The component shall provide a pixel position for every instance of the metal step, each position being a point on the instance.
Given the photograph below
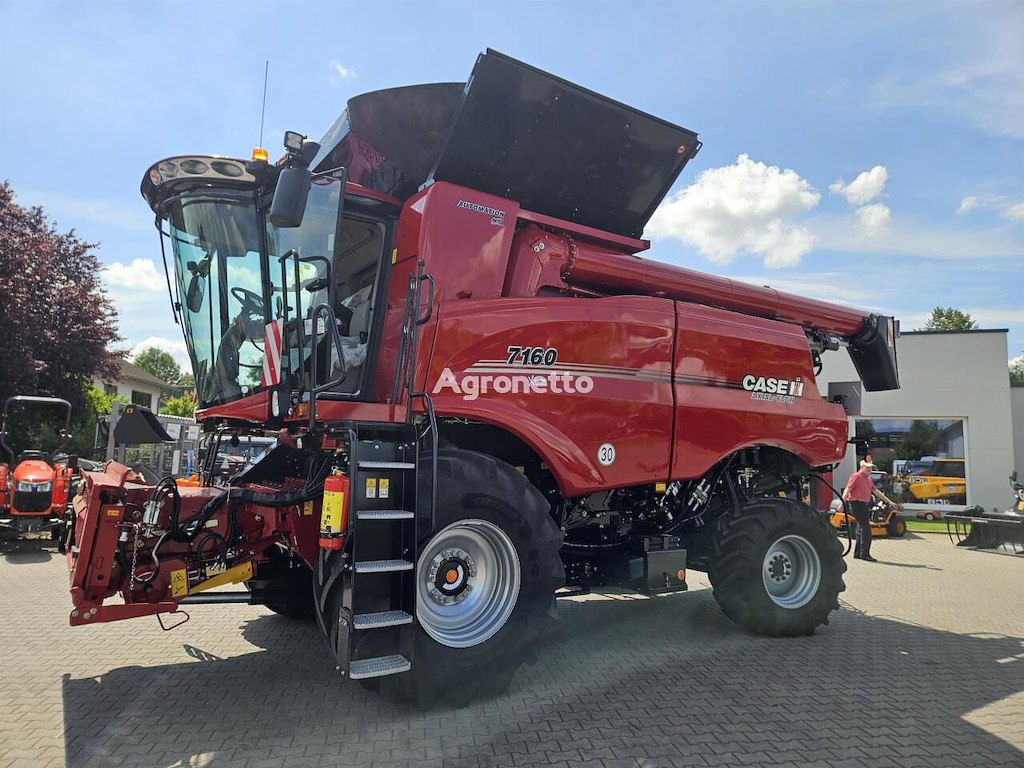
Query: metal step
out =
(386, 465)
(378, 666)
(384, 514)
(383, 566)
(381, 619)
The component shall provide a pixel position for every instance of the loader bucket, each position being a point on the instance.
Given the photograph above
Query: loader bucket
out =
(987, 531)
(138, 426)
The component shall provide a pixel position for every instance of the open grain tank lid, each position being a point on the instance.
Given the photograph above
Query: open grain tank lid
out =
(517, 132)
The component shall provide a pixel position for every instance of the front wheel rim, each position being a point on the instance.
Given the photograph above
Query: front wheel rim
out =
(467, 583)
(791, 572)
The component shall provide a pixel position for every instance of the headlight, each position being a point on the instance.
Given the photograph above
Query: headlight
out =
(35, 487)
(1020, 494)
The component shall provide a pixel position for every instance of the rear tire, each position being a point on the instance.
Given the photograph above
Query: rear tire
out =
(897, 527)
(490, 512)
(776, 568)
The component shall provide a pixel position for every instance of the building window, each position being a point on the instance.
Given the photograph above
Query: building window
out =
(142, 398)
(921, 462)
(110, 389)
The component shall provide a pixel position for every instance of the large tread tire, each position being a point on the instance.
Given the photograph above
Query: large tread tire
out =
(473, 486)
(741, 542)
(292, 596)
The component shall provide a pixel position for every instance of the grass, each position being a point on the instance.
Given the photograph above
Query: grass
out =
(926, 526)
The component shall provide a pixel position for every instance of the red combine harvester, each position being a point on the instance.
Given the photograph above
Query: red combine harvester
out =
(484, 395)
(33, 487)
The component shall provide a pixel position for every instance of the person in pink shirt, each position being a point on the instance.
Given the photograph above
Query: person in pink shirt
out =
(857, 494)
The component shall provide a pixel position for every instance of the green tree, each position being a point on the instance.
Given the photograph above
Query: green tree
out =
(949, 319)
(1017, 370)
(56, 324)
(184, 405)
(160, 364)
(922, 439)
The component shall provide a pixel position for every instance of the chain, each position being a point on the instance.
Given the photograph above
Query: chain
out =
(137, 544)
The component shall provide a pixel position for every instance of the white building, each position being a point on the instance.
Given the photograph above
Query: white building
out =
(135, 385)
(956, 386)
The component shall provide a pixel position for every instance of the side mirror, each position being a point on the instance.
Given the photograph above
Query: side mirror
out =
(289, 202)
(1013, 476)
(195, 293)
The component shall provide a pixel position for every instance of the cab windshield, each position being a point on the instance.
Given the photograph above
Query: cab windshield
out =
(227, 275)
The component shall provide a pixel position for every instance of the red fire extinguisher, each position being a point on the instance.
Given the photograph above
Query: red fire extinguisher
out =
(334, 513)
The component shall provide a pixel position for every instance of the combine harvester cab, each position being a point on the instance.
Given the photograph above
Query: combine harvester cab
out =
(483, 393)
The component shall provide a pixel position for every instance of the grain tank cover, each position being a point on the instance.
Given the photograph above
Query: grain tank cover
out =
(516, 132)
(389, 140)
(561, 150)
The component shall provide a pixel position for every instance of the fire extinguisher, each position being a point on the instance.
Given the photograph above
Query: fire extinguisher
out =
(334, 513)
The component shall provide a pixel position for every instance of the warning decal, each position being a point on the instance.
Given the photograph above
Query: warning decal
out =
(179, 583)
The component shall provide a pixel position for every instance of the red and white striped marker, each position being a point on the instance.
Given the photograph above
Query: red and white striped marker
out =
(272, 353)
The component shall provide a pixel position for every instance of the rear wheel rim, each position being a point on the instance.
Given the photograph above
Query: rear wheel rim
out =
(791, 572)
(467, 583)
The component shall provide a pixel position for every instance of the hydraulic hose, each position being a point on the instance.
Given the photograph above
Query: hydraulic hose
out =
(846, 511)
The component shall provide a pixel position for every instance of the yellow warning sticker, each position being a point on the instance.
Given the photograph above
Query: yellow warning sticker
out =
(384, 488)
(371, 487)
(179, 583)
(307, 508)
(113, 511)
(394, 255)
(331, 514)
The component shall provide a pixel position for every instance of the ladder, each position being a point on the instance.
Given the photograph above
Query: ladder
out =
(377, 621)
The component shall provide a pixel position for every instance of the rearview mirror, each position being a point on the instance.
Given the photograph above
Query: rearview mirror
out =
(195, 293)
(1013, 476)
(289, 203)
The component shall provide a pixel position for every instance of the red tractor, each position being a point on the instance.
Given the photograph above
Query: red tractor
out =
(484, 395)
(33, 486)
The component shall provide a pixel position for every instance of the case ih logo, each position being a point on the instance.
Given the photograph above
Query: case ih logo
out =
(497, 217)
(772, 389)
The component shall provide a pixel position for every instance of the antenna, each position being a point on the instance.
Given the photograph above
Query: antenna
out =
(263, 112)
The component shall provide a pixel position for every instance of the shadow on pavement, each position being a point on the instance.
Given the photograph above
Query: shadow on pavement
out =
(621, 681)
(27, 550)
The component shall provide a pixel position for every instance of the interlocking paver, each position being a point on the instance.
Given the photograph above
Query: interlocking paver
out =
(923, 666)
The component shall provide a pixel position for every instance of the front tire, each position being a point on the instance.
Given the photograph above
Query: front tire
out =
(485, 579)
(776, 568)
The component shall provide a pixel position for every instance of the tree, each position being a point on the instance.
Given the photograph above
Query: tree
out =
(949, 319)
(185, 405)
(160, 364)
(56, 324)
(1017, 370)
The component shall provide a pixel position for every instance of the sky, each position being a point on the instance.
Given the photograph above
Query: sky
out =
(867, 153)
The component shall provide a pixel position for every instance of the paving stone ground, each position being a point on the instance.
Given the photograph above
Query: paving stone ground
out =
(923, 666)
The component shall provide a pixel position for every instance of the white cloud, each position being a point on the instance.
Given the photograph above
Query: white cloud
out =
(865, 188)
(175, 348)
(968, 203)
(1014, 212)
(874, 218)
(340, 73)
(747, 207)
(141, 275)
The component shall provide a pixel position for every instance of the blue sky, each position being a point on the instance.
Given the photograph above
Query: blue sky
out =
(866, 153)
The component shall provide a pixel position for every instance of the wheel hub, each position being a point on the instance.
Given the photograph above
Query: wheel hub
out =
(467, 583)
(451, 576)
(792, 572)
(780, 567)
